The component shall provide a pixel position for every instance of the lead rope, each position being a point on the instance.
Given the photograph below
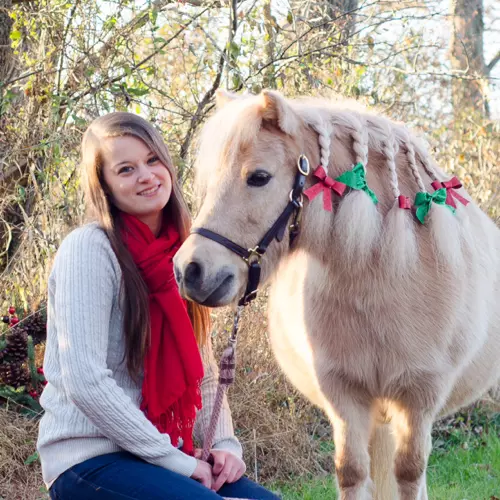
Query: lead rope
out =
(226, 378)
(227, 371)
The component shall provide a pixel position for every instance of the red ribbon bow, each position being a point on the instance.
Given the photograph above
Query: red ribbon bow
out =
(404, 202)
(326, 186)
(453, 183)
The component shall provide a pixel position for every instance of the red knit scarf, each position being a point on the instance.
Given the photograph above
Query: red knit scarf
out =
(173, 369)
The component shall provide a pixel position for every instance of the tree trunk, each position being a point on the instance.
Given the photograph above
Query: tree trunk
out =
(270, 47)
(6, 65)
(344, 12)
(339, 14)
(467, 57)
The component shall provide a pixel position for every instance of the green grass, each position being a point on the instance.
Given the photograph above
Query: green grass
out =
(472, 474)
(469, 469)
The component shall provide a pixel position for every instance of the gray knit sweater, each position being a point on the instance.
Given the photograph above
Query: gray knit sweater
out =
(91, 403)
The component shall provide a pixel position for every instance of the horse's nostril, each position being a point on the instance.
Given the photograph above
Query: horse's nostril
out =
(193, 273)
(178, 274)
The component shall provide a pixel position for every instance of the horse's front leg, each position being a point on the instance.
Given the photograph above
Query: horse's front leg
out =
(412, 428)
(351, 421)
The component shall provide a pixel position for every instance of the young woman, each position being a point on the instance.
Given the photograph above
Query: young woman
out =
(127, 384)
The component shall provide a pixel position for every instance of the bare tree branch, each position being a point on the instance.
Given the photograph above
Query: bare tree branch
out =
(125, 33)
(199, 113)
(108, 81)
(27, 75)
(200, 110)
(65, 35)
(494, 61)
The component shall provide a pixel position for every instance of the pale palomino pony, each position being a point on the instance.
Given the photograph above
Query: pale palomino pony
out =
(383, 322)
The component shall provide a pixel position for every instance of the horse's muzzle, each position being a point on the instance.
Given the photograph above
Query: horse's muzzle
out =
(195, 284)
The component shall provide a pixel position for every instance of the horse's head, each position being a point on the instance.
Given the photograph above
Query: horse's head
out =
(246, 167)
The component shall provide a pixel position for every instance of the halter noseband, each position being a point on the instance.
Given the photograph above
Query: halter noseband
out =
(253, 256)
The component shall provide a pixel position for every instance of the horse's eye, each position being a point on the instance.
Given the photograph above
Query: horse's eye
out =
(258, 178)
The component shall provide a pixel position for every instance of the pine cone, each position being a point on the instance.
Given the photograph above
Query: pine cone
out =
(36, 326)
(13, 374)
(17, 344)
(4, 372)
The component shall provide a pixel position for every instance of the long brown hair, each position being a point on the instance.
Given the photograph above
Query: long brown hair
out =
(99, 204)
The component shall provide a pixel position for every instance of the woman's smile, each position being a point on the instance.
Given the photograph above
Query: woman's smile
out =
(150, 192)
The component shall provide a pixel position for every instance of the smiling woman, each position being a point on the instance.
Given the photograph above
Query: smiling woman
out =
(137, 180)
(130, 371)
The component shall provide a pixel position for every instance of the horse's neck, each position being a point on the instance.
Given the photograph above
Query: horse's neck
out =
(347, 235)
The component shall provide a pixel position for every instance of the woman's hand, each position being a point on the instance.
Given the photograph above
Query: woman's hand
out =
(227, 468)
(203, 474)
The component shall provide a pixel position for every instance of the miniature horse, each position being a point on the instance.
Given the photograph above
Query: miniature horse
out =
(384, 310)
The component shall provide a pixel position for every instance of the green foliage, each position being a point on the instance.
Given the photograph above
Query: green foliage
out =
(19, 400)
(466, 471)
(34, 457)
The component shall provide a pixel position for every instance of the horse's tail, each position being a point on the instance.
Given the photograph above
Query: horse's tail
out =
(382, 449)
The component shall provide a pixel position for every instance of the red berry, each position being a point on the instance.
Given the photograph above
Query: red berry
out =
(12, 310)
(14, 320)
(33, 394)
(40, 370)
(44, 382)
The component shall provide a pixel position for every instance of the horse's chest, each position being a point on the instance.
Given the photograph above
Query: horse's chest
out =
(316, 328)
(304, 341)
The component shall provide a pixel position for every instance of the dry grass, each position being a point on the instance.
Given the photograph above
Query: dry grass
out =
(17, 442)
(282, 434)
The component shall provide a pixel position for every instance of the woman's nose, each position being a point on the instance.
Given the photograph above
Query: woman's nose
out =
(145, 173)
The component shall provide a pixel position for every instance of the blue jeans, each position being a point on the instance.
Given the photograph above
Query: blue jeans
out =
(121, 476)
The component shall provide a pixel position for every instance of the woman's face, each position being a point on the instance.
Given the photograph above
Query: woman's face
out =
(139, 183)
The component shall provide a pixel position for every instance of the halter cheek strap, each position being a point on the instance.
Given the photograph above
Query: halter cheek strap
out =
(253, 256)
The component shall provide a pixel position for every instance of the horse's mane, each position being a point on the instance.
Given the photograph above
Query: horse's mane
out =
(238, 124)
(406, 155)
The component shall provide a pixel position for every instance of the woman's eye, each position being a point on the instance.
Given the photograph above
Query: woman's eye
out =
(153, 160)
(259, 178)
(125, 170)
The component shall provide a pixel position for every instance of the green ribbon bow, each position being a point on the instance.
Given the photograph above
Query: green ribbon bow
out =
(423, 202)
(356, 179)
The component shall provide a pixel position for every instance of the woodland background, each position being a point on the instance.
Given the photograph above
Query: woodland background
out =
(432, 64)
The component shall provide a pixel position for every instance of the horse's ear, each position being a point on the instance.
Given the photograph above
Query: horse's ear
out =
(277, 110)
(223, 97)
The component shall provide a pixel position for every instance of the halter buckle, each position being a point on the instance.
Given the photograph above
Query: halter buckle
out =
(298, 201)
(254, 255)
(303, 165)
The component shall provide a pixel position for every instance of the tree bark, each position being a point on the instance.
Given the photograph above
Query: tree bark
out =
(6, 64)
(345, 13)
(270, 47)
(467, 57)
(340, 14)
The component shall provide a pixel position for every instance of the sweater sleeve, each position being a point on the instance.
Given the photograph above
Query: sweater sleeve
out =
(86, 284)
(224, 435)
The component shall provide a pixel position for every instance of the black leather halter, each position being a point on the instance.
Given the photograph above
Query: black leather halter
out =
(253, 256)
